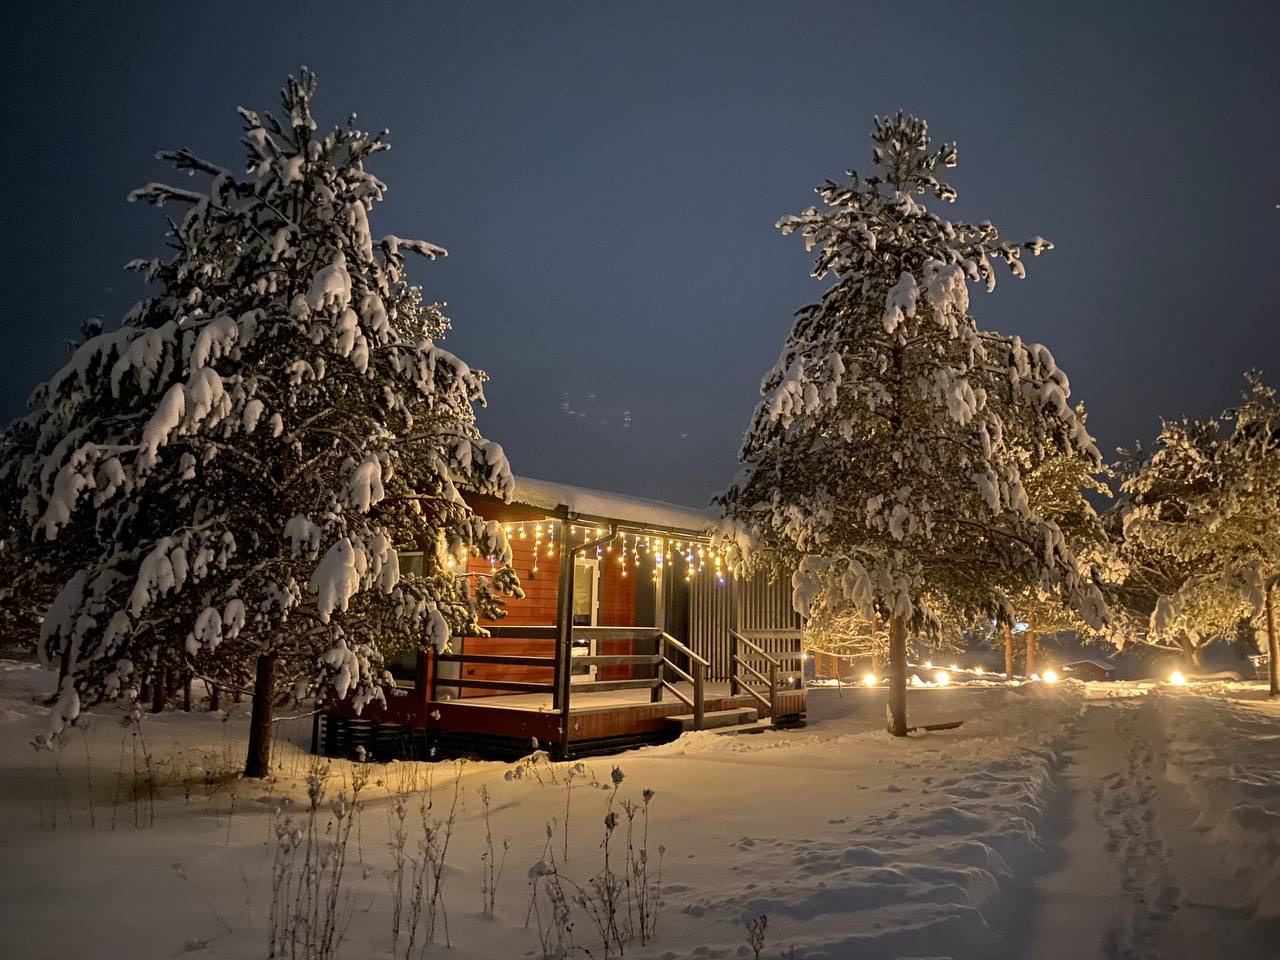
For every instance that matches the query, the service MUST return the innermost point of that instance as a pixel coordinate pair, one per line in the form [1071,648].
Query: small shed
[1090,669]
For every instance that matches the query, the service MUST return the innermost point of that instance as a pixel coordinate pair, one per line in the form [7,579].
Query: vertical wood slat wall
[754,604]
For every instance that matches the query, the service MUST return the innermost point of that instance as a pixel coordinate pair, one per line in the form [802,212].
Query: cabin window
[586,592]
[403,663]
[412,562]
[586,609]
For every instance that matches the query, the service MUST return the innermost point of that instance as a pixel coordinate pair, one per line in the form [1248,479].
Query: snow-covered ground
[854,845]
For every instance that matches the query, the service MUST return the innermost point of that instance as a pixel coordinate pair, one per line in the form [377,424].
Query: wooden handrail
[751,670]
[666,638]
[498,658]
[686,677]
[600,686]
[619,660]
[754,646]
[532,632]
[514,686]
[736,660]
[618,633]
[687,701]
[696,676]
[758,697]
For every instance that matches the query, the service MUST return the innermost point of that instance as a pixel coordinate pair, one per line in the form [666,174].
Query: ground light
[1177,679]
[869,680]
[942,678]
[1049,676]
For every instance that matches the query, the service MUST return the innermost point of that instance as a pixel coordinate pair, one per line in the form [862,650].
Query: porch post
[564,639]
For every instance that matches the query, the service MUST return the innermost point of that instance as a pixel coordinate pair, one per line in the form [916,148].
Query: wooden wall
[538,607]
[745,605]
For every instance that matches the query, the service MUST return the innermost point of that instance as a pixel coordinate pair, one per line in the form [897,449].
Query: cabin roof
[1100,664]
[602,505]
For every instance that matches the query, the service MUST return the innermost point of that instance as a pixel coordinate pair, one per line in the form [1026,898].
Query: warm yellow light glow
[869,680]
[1049,676]
[928,664]
[978,670]
[1177,679]
[942,678]
[954,668]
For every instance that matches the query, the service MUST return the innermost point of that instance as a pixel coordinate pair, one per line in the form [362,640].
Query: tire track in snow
[1126,806]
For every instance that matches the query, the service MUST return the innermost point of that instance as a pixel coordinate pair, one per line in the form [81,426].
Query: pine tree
[1204,509]
[886,456]
[1247,520]
[1057,490]
[220,485]
[1173,587]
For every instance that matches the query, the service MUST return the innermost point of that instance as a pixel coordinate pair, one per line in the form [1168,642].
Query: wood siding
[538,609]
[747,606]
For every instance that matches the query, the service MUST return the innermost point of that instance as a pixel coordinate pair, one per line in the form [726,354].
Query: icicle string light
[689,558]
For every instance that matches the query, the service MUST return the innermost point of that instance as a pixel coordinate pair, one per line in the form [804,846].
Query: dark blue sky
[606,178]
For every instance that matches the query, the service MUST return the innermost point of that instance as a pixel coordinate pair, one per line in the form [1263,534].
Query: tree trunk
[898,676]
[159,691]
[64,665]
[1273,646]
[1008,652]
[215,698]
[1190,654]
[258,761]
[1031,653]
[186,694]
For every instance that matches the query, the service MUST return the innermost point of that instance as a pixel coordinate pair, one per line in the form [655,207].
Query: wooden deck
[511,726]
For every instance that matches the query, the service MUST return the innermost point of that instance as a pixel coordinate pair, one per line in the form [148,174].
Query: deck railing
[743,651]
[498,659]
[661,663]
[695,676]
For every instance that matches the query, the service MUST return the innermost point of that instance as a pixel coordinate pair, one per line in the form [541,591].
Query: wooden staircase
[715,719]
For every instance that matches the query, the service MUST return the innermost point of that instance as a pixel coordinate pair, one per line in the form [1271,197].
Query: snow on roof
[599,504]
[1100,664]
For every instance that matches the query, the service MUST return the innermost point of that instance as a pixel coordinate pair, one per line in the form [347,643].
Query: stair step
[717,718]
[756,726]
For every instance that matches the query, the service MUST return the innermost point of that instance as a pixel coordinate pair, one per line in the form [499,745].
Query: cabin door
[586,613]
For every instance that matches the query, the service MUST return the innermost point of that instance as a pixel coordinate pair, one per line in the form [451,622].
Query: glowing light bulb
[1177,679]
[1049,676]
[942,678]
[869,679]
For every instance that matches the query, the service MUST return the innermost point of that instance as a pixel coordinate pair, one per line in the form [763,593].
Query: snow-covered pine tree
[1247,521]
[1057,490]
[1173,588]
[1201,520]
[223,482]
[886,457]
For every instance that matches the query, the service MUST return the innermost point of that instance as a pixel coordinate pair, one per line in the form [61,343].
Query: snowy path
[1056,823]
[1131,878]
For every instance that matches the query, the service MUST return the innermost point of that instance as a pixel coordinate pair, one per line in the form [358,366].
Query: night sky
[606,178]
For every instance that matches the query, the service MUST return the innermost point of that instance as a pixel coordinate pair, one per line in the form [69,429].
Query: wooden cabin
[630,632]
[1090,670]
